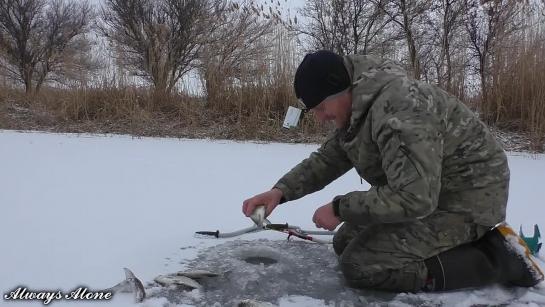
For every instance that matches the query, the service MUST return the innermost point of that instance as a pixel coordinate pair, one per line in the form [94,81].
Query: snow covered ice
[76,209]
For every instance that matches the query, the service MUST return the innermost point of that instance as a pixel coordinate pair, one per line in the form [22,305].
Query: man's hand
[324,217]
[269,199]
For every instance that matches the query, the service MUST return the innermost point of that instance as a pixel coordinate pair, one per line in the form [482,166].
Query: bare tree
[82,62]
[447,39]
[345,26]
[241,38]
[412,18]
[37,35]
[158,40]
[487,24]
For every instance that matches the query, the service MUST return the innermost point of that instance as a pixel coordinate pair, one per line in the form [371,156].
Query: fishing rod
[261,223]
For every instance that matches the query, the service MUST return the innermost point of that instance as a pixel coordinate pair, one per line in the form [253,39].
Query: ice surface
[303,269]
[310,270]
[76,209]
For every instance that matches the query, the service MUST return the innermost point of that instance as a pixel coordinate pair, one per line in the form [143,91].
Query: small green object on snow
[533,242]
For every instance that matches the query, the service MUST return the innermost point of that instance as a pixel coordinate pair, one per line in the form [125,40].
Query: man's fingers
[326,226]
[250,206]
[317,221]
[244,206]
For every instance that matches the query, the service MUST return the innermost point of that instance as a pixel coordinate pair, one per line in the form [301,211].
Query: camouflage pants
[391,256]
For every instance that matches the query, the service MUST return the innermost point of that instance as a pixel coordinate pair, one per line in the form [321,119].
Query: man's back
[434,130]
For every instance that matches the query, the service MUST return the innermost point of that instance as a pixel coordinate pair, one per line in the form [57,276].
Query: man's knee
[356,273]
[359,274]
[344,236]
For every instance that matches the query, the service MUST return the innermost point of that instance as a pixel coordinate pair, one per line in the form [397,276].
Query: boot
[500,256]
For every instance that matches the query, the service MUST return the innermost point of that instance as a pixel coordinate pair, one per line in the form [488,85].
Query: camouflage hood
[369,76]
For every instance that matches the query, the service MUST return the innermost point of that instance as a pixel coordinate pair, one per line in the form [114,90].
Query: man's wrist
[336,204]
[280,187]
[282,198]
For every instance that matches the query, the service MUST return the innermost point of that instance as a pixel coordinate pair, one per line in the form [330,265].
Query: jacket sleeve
[325,165]
[411,146]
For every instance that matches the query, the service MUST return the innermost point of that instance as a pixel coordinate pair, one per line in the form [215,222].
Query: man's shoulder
[413,96]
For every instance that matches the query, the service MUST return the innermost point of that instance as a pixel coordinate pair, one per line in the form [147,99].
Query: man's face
[336,108]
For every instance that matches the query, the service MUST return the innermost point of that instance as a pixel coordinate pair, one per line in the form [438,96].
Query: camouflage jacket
[421,150]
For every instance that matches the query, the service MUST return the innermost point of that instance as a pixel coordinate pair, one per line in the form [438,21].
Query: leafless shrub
[39,39]
[241,40]
[412,20]
[158,40]
[488,24]
[345,26]
[446,59]
[516,82]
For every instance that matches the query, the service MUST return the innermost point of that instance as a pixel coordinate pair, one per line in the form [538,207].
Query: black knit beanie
[320,74]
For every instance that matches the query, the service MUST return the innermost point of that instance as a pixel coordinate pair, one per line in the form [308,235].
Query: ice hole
[258,260]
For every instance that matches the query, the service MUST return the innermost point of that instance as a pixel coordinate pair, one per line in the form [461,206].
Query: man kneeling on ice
[433,218]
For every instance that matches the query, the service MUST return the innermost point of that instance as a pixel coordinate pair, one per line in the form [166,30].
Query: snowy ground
[76,209]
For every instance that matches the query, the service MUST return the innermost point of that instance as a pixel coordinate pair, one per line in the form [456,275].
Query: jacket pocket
[400,167]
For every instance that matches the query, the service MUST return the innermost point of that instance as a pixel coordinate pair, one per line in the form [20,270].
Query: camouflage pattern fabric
[390,256]
[421,149]
[424,153]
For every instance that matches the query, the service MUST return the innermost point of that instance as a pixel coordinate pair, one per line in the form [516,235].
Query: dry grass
[136,111]
[517,95]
